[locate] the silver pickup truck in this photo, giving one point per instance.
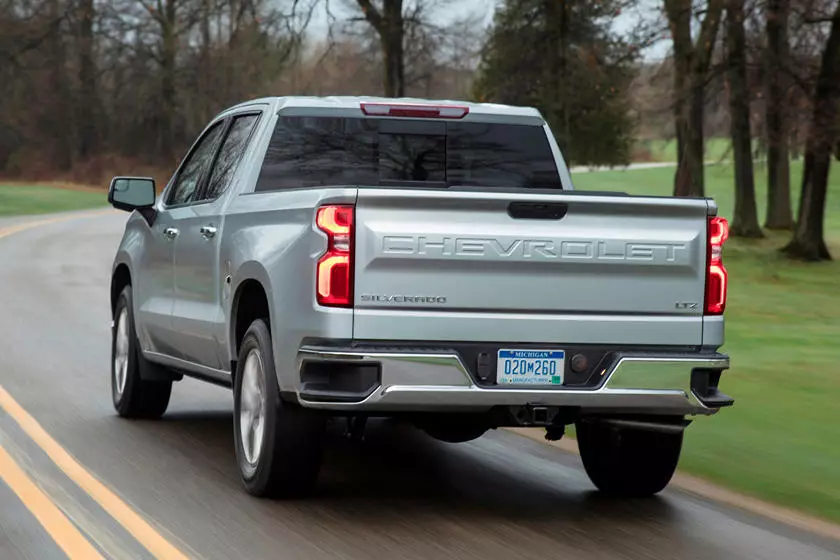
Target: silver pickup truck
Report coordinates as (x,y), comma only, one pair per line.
(430,262)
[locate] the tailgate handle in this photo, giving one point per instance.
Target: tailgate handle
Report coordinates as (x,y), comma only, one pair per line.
(537,210)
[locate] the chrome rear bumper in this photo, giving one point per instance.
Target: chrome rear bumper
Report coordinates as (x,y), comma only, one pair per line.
(635,383)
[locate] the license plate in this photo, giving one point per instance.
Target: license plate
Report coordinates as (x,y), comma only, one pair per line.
(530,367)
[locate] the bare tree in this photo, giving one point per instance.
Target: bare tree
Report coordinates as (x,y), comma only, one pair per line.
(808,241)
(745,219)
(165,13)
(387,19)
(56,114)
(410,41)
(692,61)
(87,101)
(777,59)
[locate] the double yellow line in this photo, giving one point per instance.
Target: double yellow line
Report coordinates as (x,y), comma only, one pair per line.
(63,532)
(66,535)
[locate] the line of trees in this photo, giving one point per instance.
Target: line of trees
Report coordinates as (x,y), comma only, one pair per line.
(86,84)
(784,77)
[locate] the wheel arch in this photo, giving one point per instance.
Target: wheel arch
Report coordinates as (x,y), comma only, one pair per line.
(251,300)
(120,278)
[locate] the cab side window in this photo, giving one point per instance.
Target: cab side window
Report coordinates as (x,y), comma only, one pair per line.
(231,152)
(188,180)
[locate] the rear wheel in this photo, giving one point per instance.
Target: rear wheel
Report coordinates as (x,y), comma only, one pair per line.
(279,445)
(625,461)
(132,396)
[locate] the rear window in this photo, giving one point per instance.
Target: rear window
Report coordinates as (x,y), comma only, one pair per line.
(323,151)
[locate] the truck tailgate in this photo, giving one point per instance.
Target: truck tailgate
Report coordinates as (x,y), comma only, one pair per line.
(456,265)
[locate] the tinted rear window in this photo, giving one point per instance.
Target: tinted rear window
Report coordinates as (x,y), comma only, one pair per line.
(323,151)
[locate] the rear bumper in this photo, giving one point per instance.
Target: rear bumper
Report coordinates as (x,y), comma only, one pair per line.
(642,383)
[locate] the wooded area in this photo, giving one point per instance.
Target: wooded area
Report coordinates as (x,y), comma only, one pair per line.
(89,87)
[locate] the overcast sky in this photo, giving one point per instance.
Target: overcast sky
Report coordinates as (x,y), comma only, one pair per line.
(459,8)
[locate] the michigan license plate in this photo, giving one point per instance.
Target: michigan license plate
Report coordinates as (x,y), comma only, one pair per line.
(530,367)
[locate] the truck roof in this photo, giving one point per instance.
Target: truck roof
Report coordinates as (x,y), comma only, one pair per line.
(345,103)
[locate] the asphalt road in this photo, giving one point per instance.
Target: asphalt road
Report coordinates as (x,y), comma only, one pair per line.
(397,495)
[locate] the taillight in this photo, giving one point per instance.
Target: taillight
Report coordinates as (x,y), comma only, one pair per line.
(716,275)
(334,282)
(419,111)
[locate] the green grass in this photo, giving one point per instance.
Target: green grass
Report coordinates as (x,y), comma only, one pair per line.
(781,440)
(717,149)
(40,199)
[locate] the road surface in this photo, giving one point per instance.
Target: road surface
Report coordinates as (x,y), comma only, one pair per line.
(171,485)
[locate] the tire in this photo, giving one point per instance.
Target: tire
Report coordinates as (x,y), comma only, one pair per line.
(132,396)
(628,462)
(284,456)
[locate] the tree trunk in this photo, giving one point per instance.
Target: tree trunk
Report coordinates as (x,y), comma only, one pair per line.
(691,68)
(808,241)
(88,102)
(393,46)
(59,119)
(556,68)
(564,78)
(204,69)
(779,214)
(168,52)
(204,26)
(390,27)
(745,219)
(679,17)
(553,64)
(695,146)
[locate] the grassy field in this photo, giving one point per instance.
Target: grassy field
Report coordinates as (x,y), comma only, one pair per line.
(781,440)
(41,199)
(717,149)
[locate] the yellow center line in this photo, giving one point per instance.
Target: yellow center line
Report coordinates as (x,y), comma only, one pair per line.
(138,527)
(54,522)
(9,230)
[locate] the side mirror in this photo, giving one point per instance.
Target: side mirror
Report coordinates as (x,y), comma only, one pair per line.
(132,193)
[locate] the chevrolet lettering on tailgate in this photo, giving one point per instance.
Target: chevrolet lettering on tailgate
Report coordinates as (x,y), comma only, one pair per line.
(494,248)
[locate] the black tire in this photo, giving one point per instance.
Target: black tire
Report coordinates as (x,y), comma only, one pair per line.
(291,448)
(139,398)
(628,462)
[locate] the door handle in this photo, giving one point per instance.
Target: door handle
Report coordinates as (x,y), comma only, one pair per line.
(208,231)
(170,233)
